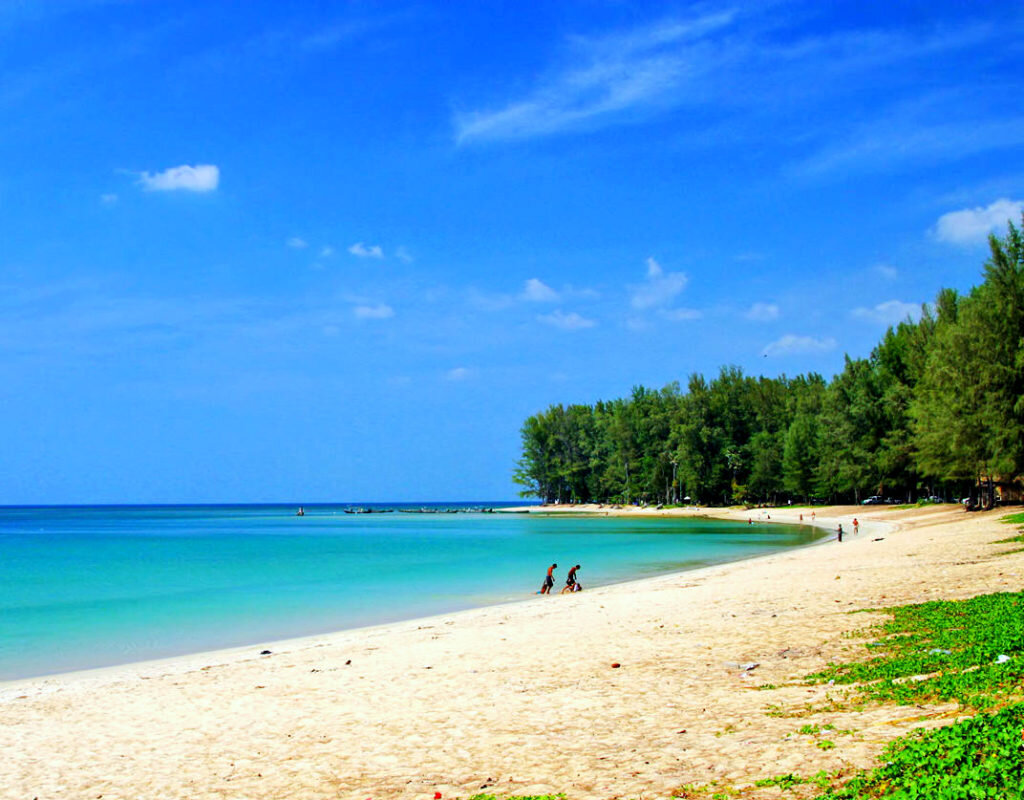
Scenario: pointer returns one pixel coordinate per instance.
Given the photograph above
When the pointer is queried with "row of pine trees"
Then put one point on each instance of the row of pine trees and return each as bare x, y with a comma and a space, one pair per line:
937, 408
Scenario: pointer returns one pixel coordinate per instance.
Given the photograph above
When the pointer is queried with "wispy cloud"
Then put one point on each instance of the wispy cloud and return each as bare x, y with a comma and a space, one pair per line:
326, 251
682, 314
660, 288
403, 255
887, 271
200, 178
536, 291
762, 312
609, 75
890, 312
973, 225
108, 199
791, 344
459, 374
340, 33
297, 243
366, 251
566, 321
720, 67
379, 311
915, 137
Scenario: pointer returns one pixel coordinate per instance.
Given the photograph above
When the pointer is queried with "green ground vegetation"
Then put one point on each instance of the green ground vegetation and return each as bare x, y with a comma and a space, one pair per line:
937, 404
968, 651
977, 758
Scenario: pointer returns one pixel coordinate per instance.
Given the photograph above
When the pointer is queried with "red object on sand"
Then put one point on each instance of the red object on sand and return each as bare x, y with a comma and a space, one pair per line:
437, 796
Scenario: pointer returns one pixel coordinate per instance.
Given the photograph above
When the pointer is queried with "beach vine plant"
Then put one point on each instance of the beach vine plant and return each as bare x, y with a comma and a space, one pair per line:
976, 758
1013, 519
968, 651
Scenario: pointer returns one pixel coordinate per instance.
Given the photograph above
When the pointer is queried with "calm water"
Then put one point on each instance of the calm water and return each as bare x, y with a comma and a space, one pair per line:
87, 587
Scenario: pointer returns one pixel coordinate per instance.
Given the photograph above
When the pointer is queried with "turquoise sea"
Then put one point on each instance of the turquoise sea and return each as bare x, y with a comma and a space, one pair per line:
84, 587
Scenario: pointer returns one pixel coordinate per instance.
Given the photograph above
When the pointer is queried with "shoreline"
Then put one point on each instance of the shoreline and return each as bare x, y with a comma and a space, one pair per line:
517, 698
222, 655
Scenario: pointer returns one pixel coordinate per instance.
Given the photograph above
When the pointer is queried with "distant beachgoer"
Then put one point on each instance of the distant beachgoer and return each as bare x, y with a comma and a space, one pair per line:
812, 516
549, 580
839, 530
856, 526
750, 521
570, 580
801, 517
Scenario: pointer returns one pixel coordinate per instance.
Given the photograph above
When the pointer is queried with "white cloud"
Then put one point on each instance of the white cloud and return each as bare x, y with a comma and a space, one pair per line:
888, 272
569, 322
536, 291
791, 343
890, 312
326, 251
660, 288
682, 314
200, 178
762, 312
402, 254
297, 243
610, 75
108, 199
379, 311
973, 225
459, 374
363, 251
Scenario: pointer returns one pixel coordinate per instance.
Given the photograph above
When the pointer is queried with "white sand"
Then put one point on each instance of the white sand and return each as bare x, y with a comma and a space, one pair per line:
520, 698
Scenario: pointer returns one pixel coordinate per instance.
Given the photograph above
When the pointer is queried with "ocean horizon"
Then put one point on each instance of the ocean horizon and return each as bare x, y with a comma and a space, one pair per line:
99, 585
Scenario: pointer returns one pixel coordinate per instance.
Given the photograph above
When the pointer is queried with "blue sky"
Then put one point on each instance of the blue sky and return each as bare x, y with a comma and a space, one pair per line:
339, 251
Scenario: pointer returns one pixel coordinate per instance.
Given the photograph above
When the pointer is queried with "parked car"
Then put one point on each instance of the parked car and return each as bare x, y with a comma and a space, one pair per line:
874, 500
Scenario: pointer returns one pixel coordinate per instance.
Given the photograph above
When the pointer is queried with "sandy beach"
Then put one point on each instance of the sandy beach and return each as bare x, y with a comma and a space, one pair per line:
522, 698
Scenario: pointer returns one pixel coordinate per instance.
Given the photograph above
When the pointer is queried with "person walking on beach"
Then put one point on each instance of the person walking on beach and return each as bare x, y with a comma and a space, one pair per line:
570, 581
839, 530
856, 526
549, 580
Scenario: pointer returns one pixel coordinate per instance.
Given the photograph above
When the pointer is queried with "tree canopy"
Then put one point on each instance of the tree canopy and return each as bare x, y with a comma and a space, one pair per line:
938, 402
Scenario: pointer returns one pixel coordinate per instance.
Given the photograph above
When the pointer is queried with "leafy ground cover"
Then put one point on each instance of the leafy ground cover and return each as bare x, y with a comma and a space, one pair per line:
969, 651
520, 797
977, 758
1013, 519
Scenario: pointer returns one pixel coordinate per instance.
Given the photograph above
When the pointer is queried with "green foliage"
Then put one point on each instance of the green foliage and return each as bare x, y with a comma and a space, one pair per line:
559, 796
706, 791
942, 651
977, 758
937, 405
789, 780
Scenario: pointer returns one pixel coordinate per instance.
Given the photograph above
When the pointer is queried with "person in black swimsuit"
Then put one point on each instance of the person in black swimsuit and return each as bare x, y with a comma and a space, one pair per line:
570, 581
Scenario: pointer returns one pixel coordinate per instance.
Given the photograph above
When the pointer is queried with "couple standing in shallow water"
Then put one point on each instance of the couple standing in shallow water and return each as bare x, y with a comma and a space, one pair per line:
571, 584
